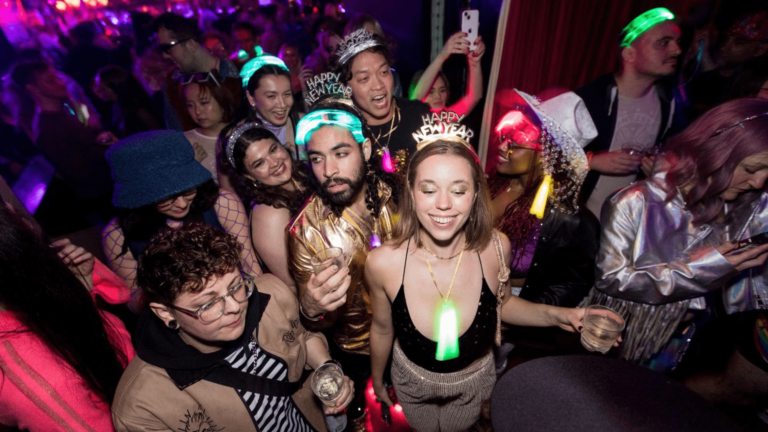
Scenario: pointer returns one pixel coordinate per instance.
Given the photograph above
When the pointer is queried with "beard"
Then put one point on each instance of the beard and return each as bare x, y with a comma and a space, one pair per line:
346, 197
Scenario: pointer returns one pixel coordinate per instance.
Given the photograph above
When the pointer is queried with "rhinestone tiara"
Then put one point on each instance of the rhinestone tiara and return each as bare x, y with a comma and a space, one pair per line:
355, 43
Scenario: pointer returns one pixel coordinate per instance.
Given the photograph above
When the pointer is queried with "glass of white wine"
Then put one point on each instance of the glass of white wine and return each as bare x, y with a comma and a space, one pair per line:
327, 383
602, 328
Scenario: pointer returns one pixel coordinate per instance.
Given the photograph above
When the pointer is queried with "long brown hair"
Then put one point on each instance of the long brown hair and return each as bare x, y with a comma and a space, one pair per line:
478, 228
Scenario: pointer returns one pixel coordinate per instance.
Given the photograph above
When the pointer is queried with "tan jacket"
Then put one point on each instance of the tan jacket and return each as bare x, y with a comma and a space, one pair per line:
148, 400
316, 228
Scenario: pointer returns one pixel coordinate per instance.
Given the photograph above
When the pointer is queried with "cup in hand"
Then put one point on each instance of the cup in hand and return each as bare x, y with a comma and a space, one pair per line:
633, 149
327, 258
327, 383
602, 327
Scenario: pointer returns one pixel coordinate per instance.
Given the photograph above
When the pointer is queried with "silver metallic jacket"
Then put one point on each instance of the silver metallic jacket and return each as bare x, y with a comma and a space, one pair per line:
654, 263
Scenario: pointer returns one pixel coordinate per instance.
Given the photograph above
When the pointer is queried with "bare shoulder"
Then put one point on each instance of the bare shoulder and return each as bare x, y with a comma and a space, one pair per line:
272, 217
383, 259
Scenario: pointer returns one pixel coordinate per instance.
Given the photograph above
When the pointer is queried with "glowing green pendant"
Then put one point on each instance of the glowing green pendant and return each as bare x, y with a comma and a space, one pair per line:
447, 332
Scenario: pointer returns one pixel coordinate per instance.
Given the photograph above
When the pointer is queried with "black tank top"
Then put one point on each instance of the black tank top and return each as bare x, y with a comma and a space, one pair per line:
473, 344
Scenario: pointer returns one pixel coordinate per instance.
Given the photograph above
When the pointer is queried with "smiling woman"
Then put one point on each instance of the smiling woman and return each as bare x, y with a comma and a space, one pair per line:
440, 318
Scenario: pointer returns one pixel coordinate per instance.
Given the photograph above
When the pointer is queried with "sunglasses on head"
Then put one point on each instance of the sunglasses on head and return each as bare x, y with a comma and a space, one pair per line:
167, 47
199, 77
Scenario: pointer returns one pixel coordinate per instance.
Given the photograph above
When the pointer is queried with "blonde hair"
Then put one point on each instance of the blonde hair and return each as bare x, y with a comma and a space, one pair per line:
478, 228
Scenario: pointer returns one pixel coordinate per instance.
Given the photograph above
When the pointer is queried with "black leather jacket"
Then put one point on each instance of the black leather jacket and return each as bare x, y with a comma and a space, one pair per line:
563, 267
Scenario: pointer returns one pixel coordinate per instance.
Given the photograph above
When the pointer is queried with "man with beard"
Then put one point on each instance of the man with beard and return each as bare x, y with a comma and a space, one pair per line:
352, 209
363, 62
634, 106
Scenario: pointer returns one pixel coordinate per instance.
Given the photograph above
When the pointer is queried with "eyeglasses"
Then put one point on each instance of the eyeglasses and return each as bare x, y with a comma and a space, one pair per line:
167, 47
168, 202
199, 77
215, 308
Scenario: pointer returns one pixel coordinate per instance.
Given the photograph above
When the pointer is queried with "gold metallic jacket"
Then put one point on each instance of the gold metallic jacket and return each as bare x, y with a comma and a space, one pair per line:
654, 263
316, 228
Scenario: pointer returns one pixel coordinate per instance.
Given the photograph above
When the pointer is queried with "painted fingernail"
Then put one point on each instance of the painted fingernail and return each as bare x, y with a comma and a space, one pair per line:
335, 268
581, 328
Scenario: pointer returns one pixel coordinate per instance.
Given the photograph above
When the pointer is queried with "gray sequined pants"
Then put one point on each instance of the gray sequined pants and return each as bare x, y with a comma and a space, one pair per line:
445, 402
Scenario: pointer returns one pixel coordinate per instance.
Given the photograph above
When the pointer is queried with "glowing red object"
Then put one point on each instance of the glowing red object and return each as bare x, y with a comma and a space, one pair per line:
375, 422
516, 127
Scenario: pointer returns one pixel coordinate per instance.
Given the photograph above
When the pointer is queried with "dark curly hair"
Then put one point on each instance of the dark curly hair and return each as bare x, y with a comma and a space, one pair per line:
142, 223
184, 260
372, 170
345, 70
251, 193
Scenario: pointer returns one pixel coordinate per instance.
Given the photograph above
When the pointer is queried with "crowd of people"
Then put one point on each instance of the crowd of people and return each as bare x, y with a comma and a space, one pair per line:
269, 201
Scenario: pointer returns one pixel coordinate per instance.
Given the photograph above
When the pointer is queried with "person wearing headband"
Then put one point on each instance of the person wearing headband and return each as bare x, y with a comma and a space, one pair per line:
272, 185
633, 109
353, 208
440, 316
364, 63
267, 83
669, 250
158, 186
553, 258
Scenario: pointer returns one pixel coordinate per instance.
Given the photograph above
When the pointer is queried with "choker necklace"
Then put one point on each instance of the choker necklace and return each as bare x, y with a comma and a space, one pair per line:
448, 327
442, 258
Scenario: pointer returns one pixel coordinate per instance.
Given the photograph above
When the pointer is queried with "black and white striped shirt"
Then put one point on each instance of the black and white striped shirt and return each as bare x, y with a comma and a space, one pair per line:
270, 413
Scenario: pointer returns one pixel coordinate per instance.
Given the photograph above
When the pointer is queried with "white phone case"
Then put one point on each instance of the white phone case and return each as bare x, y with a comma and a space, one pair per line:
470, 24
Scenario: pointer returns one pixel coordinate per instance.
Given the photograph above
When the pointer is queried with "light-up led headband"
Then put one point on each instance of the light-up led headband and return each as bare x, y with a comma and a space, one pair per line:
642, 23
328, 117
257, 63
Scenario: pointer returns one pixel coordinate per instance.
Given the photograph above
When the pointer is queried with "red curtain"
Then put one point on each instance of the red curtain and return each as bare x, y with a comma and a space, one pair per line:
562, 44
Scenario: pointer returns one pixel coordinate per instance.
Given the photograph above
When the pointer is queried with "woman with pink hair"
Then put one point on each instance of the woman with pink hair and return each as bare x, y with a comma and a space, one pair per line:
678, 236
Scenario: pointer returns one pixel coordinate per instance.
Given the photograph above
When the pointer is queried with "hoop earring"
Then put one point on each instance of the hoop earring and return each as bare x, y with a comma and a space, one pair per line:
173, 325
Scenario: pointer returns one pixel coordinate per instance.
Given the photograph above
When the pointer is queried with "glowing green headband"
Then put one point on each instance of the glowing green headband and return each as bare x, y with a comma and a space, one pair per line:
642, 23
257, 63
328, 117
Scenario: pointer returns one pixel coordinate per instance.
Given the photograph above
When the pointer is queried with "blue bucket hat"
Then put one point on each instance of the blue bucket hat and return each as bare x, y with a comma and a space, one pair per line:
150, 166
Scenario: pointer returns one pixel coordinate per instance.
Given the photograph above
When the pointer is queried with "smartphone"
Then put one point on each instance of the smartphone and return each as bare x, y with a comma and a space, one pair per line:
753, 242
470, 24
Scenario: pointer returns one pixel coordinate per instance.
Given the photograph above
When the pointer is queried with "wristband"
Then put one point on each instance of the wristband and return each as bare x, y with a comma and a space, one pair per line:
315, 319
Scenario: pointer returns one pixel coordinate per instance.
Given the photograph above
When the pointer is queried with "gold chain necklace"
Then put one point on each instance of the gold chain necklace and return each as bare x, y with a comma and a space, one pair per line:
392, 127
443, 258
453, 279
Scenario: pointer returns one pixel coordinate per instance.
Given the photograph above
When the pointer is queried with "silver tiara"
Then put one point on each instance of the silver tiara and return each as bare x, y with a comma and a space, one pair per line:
355, 43
230, 149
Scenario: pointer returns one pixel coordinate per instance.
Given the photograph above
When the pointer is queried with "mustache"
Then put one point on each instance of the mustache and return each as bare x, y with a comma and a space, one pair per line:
336, 180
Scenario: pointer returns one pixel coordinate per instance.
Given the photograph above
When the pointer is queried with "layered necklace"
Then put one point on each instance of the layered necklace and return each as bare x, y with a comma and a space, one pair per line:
448, 317
386, 157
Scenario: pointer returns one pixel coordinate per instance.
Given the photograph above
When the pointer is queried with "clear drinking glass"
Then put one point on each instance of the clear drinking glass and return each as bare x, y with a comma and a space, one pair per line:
328, 257
327, 383
602, 327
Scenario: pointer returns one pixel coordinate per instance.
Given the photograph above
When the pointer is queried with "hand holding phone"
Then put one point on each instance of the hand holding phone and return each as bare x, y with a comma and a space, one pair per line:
470, 25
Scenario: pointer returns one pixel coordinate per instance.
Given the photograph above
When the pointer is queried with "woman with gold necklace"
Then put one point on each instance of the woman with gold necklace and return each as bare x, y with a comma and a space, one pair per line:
453, 281
272, 185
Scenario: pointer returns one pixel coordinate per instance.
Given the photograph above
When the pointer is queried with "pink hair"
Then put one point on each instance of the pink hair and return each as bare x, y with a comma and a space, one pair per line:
707, 160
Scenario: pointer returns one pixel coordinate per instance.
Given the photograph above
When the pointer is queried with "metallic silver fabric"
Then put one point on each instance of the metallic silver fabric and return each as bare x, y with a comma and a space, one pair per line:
653, 263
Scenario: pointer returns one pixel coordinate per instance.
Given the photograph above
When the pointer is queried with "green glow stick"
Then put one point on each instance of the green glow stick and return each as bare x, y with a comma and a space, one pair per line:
447, 332
643, 23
